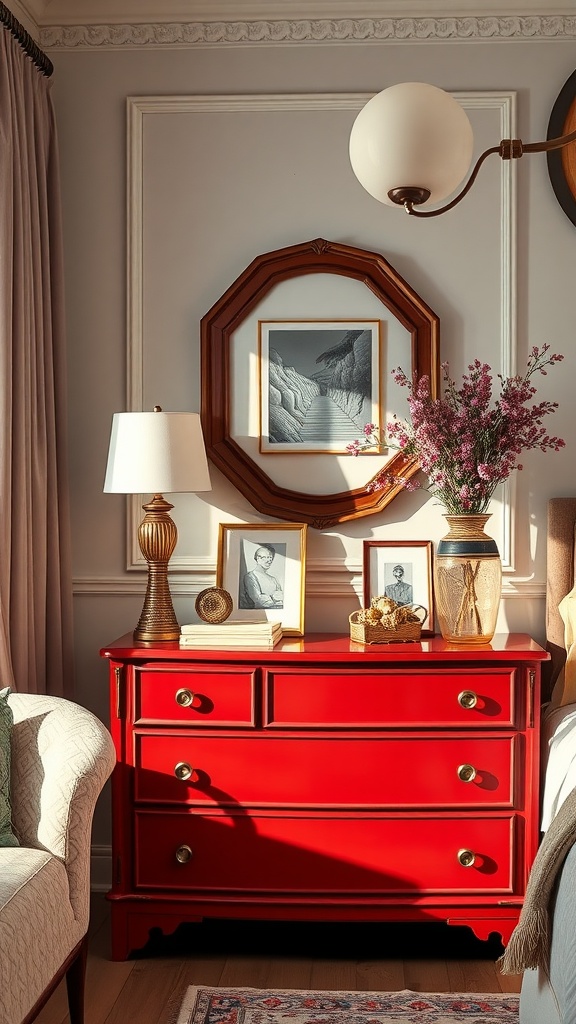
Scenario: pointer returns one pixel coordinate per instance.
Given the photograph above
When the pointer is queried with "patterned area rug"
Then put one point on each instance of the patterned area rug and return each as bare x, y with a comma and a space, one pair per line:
257, 1006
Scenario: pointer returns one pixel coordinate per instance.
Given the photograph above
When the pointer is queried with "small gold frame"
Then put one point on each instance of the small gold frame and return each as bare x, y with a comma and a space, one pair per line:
238, 544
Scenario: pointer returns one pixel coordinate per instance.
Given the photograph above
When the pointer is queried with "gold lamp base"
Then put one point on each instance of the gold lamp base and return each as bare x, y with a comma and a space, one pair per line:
157, 536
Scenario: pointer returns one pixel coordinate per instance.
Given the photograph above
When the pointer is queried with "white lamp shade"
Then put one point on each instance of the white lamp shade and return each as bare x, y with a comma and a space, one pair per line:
156, 453
414, 135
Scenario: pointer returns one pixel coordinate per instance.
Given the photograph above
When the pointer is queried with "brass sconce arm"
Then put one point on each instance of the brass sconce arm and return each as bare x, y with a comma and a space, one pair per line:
509, 149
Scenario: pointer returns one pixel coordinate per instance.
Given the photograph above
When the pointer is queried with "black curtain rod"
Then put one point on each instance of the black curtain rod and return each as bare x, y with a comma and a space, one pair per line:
38, 57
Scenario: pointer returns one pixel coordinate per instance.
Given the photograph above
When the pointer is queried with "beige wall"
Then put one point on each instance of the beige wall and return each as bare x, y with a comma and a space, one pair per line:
219, 190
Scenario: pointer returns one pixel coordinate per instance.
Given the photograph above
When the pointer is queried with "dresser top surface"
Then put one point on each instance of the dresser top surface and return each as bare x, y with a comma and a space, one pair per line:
331, 647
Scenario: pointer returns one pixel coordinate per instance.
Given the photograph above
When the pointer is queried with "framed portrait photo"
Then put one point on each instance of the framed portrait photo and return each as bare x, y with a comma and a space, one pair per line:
263, 567
319, 383
401, 570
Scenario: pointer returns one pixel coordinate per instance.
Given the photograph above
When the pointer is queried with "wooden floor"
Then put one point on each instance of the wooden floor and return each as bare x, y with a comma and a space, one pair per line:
368, 957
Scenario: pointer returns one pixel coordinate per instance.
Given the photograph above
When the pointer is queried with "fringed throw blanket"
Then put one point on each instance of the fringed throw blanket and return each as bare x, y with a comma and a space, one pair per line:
529, 944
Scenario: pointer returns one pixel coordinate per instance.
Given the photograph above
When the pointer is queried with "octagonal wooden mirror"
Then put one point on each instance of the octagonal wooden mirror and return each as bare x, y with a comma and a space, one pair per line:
296, 357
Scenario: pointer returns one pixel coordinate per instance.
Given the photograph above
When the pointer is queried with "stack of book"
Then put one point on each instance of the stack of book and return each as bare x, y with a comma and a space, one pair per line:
232, 633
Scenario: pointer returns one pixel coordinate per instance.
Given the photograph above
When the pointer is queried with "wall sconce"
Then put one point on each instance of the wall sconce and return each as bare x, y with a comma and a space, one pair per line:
412, 144
157, 452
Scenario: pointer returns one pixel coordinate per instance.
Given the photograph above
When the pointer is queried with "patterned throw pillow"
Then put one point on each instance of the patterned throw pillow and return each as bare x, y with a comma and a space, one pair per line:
7, 837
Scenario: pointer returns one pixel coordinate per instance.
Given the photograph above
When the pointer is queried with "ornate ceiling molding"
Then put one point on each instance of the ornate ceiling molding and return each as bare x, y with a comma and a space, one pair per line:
363, 30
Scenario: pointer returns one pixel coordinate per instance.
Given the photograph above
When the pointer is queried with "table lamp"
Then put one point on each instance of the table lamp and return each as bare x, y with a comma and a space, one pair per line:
156, 452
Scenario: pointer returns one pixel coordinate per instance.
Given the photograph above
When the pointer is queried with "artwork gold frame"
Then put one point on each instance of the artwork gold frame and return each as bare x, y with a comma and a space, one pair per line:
412, 586
263, 568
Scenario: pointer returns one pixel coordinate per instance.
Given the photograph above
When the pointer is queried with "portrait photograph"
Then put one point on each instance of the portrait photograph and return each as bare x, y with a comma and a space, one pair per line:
402, 571
263, 569
319, 383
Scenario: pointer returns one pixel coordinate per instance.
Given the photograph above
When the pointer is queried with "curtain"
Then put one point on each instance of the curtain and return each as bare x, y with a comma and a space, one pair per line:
35, 561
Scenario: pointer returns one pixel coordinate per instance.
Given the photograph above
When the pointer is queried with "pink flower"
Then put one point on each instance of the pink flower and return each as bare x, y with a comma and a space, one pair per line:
354, 448
465, 442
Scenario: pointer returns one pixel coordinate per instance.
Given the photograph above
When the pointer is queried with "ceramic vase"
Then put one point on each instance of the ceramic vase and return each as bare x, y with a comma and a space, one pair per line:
467, 581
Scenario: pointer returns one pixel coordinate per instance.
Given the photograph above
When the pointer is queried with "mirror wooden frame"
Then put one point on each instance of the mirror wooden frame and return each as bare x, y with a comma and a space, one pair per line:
319, 256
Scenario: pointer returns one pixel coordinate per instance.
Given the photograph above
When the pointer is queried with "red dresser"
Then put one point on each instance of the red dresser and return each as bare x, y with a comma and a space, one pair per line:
323, 780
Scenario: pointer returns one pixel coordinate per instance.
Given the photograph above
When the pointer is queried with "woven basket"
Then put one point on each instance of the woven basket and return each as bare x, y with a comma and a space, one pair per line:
366, 633
213, 605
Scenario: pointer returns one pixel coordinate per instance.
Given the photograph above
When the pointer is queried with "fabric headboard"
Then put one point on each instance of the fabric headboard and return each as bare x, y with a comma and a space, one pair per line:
560, 558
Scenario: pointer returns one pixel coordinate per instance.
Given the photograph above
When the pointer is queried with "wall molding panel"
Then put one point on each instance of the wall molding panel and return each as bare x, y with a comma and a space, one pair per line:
101, 867
424, 29
330, 580
141, 113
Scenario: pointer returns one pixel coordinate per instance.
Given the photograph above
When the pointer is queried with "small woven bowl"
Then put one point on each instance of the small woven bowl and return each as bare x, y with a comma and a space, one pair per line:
366, 633
213, 605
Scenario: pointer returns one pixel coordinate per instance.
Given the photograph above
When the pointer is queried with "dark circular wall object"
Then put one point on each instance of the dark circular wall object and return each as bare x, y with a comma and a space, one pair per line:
562, 162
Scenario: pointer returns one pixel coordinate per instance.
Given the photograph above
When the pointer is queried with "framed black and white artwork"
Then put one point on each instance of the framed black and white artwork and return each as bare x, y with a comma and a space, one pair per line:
319, 383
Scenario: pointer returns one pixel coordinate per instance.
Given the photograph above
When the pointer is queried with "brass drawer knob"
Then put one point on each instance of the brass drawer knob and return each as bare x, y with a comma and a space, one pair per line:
466, 858
183, 854
183, 770
184, 698
467, 699
466, 773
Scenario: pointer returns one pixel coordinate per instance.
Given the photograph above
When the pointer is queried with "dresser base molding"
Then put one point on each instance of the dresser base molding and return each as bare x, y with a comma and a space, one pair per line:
323, 781
133, 920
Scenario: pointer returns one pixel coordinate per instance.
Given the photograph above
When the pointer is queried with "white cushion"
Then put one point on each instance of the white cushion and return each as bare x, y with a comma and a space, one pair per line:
558, 760
37, 927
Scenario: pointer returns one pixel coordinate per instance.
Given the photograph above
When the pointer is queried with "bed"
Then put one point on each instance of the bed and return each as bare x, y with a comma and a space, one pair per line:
548, 994
559, 710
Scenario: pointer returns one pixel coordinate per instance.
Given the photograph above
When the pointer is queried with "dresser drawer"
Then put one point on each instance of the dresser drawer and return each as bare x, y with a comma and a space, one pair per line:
408, 697
202, 696
358, 770
323, 855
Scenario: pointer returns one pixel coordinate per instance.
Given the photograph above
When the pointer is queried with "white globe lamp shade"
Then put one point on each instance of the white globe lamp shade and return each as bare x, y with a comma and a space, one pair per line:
411, 135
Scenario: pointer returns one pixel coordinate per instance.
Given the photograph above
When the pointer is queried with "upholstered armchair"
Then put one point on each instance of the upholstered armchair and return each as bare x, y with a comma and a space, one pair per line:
61, 758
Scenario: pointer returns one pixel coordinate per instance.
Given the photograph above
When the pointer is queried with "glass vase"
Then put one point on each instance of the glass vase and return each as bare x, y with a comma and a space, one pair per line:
468, 581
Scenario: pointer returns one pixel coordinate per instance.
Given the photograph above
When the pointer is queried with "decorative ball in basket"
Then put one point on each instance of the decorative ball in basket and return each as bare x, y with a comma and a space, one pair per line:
386, 622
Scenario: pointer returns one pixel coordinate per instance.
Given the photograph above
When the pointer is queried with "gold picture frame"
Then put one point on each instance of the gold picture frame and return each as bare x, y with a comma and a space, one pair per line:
263, 568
